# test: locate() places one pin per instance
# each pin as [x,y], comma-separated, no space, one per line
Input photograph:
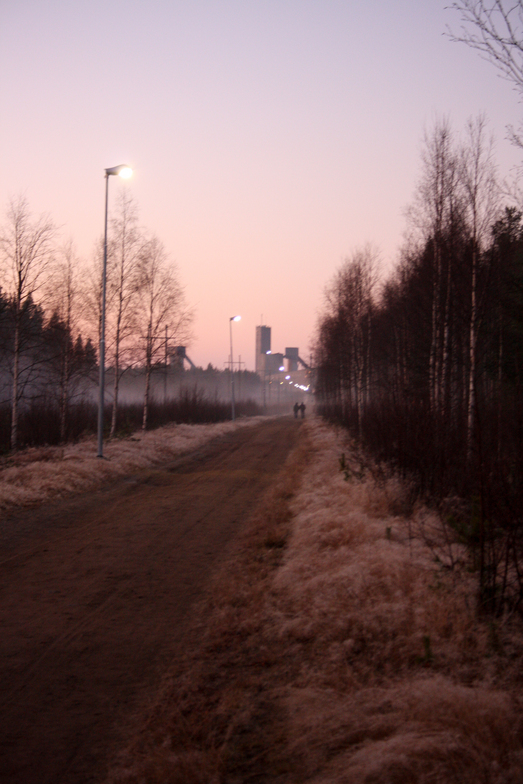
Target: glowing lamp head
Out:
[122,171]
[235,318]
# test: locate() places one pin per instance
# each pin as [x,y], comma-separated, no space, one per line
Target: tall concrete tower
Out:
[263,344]
[292,357]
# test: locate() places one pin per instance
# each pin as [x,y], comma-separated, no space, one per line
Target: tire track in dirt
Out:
[96,593]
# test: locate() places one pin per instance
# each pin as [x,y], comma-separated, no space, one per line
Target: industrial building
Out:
[275,368]
[177,356]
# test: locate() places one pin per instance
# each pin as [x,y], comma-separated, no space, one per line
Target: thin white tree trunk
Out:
[471,401]
[14,401]
[65,390]
[146,396]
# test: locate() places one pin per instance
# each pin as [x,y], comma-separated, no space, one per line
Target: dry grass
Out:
[335,648]
[36,475]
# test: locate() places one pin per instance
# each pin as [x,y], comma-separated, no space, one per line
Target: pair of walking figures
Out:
[301,408]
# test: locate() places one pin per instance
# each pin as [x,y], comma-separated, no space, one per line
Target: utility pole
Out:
[240,363]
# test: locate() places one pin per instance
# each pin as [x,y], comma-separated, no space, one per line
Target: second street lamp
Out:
[232,318]
[124,172]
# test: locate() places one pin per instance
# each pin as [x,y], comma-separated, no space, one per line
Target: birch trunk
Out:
[14,393]
[65,393]
[471,397]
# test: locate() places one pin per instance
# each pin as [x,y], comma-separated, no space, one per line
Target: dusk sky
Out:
[270,138]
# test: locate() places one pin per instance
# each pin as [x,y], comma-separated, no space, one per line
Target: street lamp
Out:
[265,379]
[124,172]
[232,318]
[281,368]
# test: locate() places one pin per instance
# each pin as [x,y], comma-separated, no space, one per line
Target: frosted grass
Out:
[400,680]
[38,475]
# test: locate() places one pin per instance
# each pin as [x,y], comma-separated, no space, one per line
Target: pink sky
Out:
[270,138]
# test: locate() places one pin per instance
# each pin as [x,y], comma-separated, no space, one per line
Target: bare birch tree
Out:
[63,296]
[350,302]
[477,173]
[494,28]
[26,250]
[123,262]
[434,210]
[160,302]
[92,293]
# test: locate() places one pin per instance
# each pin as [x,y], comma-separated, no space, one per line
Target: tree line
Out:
[426,369]
[50,312]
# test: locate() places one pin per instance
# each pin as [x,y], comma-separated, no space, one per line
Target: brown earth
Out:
[97,593]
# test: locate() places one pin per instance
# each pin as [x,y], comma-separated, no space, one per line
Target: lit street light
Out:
[281,369]
[124,172]
[265,379]
[232,318]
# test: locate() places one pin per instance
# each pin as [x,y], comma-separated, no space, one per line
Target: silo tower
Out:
[263,345]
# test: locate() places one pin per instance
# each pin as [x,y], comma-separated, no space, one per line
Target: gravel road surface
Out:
[96,593]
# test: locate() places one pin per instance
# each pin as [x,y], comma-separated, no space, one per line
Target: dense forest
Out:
[54,370]
[426,369]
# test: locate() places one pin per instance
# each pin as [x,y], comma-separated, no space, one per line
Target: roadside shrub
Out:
[39,421]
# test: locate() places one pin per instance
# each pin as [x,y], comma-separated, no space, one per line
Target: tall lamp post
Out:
[125,172]
[281,369]
[265,379]
[232,318]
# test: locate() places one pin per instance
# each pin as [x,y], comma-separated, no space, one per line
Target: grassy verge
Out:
[36,475]
[335,647]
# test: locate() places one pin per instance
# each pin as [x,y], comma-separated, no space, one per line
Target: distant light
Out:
[235,318]
[268,352]
[281,368]
[125,173]
[287,378]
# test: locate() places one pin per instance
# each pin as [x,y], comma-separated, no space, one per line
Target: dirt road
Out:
[95,595]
